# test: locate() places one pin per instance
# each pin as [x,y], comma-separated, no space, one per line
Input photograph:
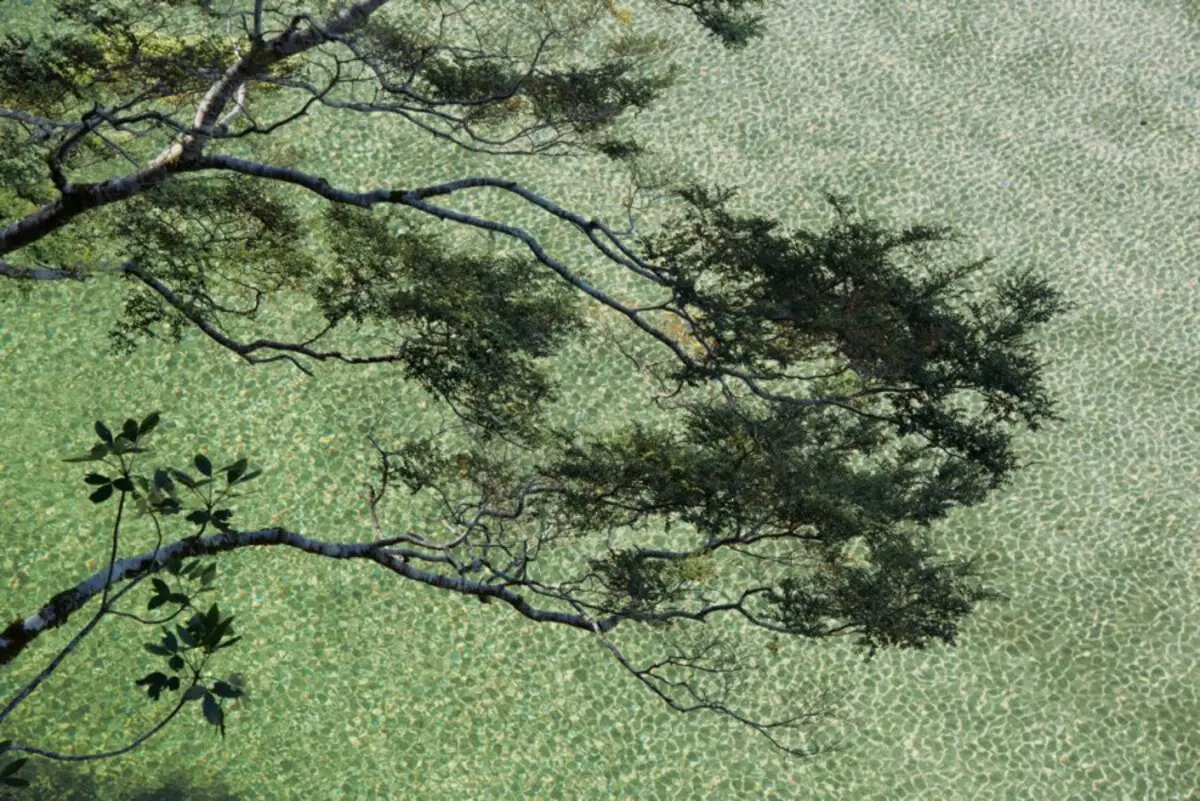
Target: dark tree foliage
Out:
[824,398]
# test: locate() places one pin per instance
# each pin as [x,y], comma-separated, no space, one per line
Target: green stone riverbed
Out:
[1059,135]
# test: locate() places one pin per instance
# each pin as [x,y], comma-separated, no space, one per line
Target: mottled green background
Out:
[1062,135]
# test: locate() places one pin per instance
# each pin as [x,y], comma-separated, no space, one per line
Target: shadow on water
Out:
[50,781]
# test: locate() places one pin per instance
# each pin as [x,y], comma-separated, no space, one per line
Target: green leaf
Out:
[101,495]
[194,692]
[168,506]
[154,683]
[163,481]
[212,710]
[103,432]
[253,474]
[213,640]
[203,464]
[13,767]
[183,478]
[235,471]
[96,479]
[148,424]
[130,430]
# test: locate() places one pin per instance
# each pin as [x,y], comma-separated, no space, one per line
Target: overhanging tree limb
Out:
[58,609]
[829,404]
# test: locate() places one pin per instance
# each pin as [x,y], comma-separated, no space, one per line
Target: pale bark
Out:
[58,609]
[182,154]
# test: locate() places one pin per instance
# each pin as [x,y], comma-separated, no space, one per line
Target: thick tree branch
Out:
[53,664]
[180,155]
[39,273]
[21,632]
[821,512]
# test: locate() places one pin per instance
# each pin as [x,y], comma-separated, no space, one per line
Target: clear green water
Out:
[1021,124]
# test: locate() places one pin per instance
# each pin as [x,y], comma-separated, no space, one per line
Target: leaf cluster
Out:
[159,495]
[474,325]
[734,469]
[23,181]
[207,238]
[50,74]
[491,88]
[902,596]
[766,303]
[590,98]
[206,632]
[726,20]
[103,53]
[816,481]
[635,583]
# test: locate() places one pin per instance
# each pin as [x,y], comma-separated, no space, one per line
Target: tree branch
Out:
[21,632]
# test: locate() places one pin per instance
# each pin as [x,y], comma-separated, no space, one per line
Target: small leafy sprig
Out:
[158,495]
[187,648]
[206,632]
